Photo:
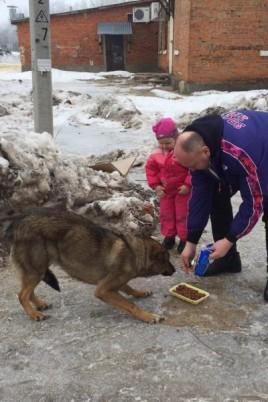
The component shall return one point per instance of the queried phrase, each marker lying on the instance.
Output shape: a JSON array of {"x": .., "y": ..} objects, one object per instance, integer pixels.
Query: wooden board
[{"x": 122, "y": 166}]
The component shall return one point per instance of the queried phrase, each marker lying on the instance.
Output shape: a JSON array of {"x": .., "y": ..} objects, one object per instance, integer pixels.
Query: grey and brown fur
[{"x": 86, "y": 252}]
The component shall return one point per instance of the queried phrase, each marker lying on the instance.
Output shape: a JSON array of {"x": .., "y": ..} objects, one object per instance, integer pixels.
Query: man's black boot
[
  {"x": 230, "y": 263},
  {"x": 265, "y": 293},
  {"x": 169, "y": 242}
]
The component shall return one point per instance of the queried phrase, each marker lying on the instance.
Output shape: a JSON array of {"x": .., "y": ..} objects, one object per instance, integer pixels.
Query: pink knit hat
[{"x": 164, "y": 128}]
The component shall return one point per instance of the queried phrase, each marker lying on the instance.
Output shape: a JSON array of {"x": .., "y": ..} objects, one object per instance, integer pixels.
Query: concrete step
[{"x": 152, "y": 78}]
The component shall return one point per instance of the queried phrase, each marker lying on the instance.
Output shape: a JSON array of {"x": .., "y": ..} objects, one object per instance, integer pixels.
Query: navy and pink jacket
[{"x": 238, "y": 142}]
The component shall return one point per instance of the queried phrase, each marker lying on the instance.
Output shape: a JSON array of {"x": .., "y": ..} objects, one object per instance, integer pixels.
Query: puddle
[
  {"x": 209, "y": 315},
  {"x": 220, "y": 311}
]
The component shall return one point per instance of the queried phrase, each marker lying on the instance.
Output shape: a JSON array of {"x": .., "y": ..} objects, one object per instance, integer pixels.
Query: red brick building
[
  {"x": 216, "y": 44},
  {"x": 97, "y": 39}
]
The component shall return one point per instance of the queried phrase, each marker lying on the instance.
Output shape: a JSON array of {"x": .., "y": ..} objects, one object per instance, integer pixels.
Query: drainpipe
[{"x": 170, "y": 43}]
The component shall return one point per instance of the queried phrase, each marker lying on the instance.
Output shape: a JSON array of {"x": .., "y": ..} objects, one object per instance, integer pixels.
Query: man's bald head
[
  {"x": 190, "y": 141},
  {"x": 191, "y": 151}
]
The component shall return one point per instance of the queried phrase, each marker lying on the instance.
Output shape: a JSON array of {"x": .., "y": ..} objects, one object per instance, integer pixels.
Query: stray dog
[{"x": 85, "y": 251}]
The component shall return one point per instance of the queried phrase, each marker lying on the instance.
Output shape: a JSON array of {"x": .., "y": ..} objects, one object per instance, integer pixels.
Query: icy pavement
[{"x": 88, "y": 351}]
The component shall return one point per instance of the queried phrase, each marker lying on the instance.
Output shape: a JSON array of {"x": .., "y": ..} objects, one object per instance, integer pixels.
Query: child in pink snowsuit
[{"x": 171, "y": 182}]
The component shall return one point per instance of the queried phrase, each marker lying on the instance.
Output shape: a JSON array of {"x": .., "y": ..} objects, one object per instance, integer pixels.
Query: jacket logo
[{"x": 235, "y": 119}]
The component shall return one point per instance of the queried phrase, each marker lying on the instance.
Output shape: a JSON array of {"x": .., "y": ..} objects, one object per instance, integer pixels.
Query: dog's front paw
[
  {"x": 153, "y": 318},
  {"x": 144, "y": 293},
  {"x": 157, "y": 318},
  {"x": 37, "y": 316},
  {"x": 44, "y": 306}
]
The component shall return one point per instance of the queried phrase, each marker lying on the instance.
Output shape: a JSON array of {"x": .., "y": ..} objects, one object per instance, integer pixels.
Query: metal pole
[
  {"x": 170, "y": 43},
  {"x": 41, "y": 65}
]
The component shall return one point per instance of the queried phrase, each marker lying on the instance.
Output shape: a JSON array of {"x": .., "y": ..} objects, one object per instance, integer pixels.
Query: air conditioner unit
[
  {"x": 141, "y": 14},
  {"x": 155, "y": 10}
]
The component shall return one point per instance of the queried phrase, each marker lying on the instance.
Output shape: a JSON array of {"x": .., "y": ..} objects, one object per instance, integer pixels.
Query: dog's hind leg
[
  {"x": 51, "y": 280},
  {"x": 107, "y": 290},
  {"x": 135, "y": 292},
  {"x": 32, "y": 261},
  {"x": 39, "y": 303},
  {"x": 29, "y": 283}
]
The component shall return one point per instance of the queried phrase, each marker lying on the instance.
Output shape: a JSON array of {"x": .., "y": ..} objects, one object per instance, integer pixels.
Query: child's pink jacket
[{"x": 163, "y": 169}]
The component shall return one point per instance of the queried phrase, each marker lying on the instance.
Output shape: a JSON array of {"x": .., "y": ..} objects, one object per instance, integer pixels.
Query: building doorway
[{"x": 115, "y": 59}]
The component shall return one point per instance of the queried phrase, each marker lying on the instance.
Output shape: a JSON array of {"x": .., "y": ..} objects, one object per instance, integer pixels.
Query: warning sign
[
  {"x": 43, "y": 65},
  {"x": 41, "y": 17}
]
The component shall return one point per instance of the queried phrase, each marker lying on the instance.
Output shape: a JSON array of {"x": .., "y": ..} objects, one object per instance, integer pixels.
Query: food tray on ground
[{"x": 188, "y": 293}]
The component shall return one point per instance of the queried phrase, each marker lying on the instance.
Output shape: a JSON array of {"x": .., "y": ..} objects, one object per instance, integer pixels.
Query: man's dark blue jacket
[{"x": 238, "y": 142}]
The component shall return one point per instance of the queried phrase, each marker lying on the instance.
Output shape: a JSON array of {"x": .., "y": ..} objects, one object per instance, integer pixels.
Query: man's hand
[
  {"x": 220, "y": 248},
  {"x": 183, "y": 190},
  {"x": 160, "y": 191},
  {"x": 187, "y": 256}
]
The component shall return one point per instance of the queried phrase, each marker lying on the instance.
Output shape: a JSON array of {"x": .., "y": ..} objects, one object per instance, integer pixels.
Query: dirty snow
[{"x": 97, "y": 116}]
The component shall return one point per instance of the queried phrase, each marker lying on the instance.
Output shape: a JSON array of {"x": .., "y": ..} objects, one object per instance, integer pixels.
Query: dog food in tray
[{"x": 189, "y": 293}]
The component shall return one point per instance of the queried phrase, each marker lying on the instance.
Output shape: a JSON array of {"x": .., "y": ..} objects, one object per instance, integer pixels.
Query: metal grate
[{"x": 114, "y": 28}]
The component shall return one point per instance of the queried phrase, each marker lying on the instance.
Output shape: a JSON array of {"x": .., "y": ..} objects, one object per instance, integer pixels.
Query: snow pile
[
  {"x": 252, "y": 100},
  {"x": 118, "y": 109},
  {"x": 3, "y": 111},
  {"x": 187, "y": 108},
  {"x": 33, "y": 172},
  {"x": 165, "y": 94},
  {"x": 68, "y": 76},
  {"x": 64, "y": 76},
  {"x": 140, "y": 218},
  {"x": 118, "y": 74},
  {"x": 93, "y": 117},
  {"x": 12, "y": 58}
]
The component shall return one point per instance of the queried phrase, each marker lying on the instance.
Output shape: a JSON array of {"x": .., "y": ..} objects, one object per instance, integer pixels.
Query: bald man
[{"x": 226, "y": 153}]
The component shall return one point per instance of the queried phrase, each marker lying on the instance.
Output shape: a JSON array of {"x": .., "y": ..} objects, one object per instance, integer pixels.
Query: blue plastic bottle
[{"x": 203, "y": 260}]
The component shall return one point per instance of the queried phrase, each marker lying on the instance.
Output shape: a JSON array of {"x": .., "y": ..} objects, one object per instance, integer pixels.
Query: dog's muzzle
[{"x": 170, "y": 271}]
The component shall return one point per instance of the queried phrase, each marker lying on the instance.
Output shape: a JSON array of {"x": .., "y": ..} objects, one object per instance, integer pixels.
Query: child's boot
[
  {"x": 181, "y": 246},
  {"x": 265, "y": 293},
  {"x": 169, "y": 242}
]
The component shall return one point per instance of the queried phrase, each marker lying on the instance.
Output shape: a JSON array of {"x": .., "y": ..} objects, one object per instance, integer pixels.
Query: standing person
[
  {"x": 226, "y": 153},
  {"x": 171, "y": 182}
]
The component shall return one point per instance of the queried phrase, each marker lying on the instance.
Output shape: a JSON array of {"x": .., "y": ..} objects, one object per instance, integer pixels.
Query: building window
[{"x": 130, "y": 17}]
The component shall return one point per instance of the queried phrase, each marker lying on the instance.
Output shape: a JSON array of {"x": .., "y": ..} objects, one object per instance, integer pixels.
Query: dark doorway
[{"x": 115, "y": 52}]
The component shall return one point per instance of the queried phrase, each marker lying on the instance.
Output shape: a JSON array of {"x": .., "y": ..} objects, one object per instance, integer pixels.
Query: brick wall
[
  {"x": 144, "y": 45},
  {"x": 219, "y": 42},
  {"x": 163, "y": 62},
  {"x": 24, "y": 44},
  {"x": 163, "y": 43},
  {"x": 75, "y": 43},
  {"x": 182, "y": 39}
]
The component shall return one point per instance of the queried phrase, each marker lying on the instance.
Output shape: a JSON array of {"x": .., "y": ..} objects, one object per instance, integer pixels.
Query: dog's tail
[{"x": 51, "y": 280}]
